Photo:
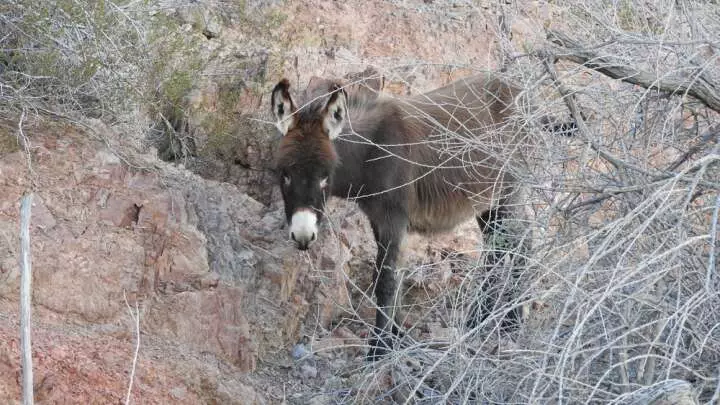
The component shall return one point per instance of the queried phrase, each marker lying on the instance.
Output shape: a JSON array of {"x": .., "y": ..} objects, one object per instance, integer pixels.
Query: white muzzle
[{"x": 303, "y": 228}]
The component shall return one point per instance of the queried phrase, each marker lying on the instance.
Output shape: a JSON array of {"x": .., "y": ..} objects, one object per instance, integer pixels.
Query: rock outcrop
[{"x": 208, "y": 266}]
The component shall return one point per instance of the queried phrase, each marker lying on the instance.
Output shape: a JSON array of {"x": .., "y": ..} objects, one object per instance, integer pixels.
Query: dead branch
[
  {"x": 135, "y": 316},
  {"x": 712, "y": 134},
  {"x": 25, "y": 310},
  {"x": 698, "y": 87},
  {"x": 668, "y": 392},
  {"x": 577, "y": 117},
  {"x": 713, "y": 235}
]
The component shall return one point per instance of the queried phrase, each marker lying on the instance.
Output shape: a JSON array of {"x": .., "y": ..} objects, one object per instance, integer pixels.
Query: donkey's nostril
[{"x": 292, "y": 235}]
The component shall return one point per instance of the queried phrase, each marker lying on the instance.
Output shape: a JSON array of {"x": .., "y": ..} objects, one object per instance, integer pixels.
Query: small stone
[
  {"x": 178, "y": 393},
  {"x": 321, "y": 399},
  {"x": 345, "y": 333},
  {"x": 299, "y": 351},
  {"x": 210, "y": 280},
  {"x": 308, "y": 372}
]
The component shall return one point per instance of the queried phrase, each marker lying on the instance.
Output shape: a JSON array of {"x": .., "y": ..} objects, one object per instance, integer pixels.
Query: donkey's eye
[
  {"x": 286, "y": 180},
  {"x": 323, "y": 183}
]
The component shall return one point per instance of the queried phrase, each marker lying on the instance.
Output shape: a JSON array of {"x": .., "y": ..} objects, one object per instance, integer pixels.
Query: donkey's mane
[{"x": 357, "y": 100}]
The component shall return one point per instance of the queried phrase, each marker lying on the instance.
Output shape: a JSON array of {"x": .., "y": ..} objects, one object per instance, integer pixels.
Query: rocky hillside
[
  {"x": 202, "y": 253},
  {"x": 159, "y": 245}
]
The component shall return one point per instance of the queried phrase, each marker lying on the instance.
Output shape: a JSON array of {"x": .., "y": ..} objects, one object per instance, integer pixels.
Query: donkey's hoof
[
  {"x": 510, "y": 323},
  {"x": 377, "y": 350},
  {"x": 512, "y": 320},
  {"x": 383, "y": 344}
]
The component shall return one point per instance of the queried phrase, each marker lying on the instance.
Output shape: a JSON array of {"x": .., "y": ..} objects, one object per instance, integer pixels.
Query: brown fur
[
  {"x": 423, "y": 164},
  {"x": 304, "y": 144},
  {"x": 449, "y": 190}
]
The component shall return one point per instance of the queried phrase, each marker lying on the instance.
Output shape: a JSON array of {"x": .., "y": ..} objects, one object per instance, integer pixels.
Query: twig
[
  {"x": 25, "y": 297},
  {"x": 704, "y": 140},
  {"x": 25, "y": 142},
  {"x": 699, "y": 87},
  {"x": 662, "y": 392},
  {"x": 716, "y": 395},
  {"x": 713, "y": 242},
  {"x": 135, "y": 317},
  {"x": 577, "y": 116}
]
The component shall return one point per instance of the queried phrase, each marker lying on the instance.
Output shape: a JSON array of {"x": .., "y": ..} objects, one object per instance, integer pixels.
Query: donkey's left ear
[
  {"x": 283, "y": 107},
  {"x": 335, "y": 113}
]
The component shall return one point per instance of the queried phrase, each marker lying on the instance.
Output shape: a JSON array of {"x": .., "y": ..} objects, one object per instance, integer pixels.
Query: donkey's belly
[{"x": 442, "y": 216}]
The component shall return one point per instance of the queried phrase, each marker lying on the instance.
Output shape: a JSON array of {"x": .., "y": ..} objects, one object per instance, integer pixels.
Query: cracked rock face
[{"x": 208, "y": 266}]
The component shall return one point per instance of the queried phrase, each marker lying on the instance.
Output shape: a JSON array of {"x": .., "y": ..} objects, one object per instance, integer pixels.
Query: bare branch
[
  {"x": 699, "y": 87},
  {"x": 713, "y": 242},
  {"x": 25, "y": 298},
  {"x": 136, "y": 319},
  {"x": 714, "y": 133},
  {"x": 664, "y": 392},
  {"x": 580, "y": 122},
  {"x": 25, "y": 142}
]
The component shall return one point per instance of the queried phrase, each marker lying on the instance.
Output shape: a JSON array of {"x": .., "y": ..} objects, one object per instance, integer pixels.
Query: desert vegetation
[{"x": 621, "y": 277}]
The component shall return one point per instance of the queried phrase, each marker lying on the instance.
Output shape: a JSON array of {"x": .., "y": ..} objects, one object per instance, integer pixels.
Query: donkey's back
[{"x": 442, "y": 150}]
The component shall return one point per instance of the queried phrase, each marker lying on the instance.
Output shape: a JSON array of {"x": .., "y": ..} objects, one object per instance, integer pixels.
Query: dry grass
[{"x": 621, "y": 279}]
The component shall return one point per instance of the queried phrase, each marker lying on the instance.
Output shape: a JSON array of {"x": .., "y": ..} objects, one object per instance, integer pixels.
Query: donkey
[{"x": 405, "y": 162}]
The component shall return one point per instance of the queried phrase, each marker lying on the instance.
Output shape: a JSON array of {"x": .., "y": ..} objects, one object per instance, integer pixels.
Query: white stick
[
  {"x": 136, "y": 318},
  {"x": 25, "y": 288},
  {"x": 713, "y": 235}
]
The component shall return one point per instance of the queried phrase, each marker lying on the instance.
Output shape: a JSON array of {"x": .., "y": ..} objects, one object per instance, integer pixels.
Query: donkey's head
[{"x": 306, "y": 157}]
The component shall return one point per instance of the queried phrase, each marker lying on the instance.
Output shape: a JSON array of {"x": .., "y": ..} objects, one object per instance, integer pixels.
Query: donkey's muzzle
[
  {"x": 303, "y": 228},
  {"x": 303, "y": 244}
]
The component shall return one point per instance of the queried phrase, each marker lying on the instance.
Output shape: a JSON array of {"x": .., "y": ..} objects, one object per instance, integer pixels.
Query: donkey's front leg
[{"x": 388, "y": 236}]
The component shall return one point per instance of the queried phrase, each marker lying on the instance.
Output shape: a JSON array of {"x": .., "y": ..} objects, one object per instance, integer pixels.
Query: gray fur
[{"x": 396, "y": 158}]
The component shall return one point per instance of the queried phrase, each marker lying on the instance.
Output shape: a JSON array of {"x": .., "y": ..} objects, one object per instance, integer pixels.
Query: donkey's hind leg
[{"x": 503, "y": 243}]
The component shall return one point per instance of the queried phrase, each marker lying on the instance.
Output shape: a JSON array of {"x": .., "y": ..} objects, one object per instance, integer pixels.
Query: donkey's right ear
[{"x": 283, "y": 107}]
